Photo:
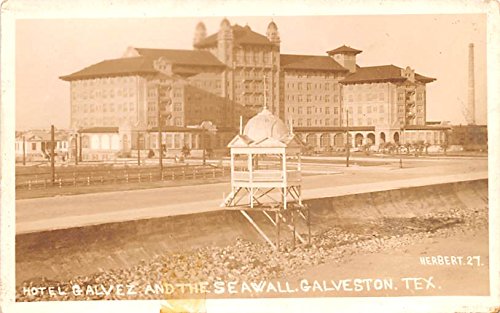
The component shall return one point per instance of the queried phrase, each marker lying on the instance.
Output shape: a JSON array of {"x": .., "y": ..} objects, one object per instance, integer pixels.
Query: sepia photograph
[{"x": 201, "y": 158}]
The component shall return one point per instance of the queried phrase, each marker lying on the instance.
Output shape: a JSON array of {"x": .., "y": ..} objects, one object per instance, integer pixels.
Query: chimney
[{"x": 471, "y": 106}]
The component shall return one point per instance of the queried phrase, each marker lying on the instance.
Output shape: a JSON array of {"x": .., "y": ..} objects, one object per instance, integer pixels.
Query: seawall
[{"x": 64, "y": 253}]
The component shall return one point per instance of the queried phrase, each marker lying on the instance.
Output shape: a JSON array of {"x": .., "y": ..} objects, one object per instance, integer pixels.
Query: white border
[{"x": 12, "y": 10}]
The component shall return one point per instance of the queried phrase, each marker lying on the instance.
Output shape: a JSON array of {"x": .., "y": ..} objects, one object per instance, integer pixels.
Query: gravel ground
[{"x": 247, "y": 261}]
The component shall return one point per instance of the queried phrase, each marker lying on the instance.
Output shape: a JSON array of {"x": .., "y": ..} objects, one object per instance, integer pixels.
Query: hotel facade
[{"x": 198, "y": 96}]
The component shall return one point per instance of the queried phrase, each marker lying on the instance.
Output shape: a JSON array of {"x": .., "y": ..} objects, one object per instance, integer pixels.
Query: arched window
[
  {"x": 325, "y": 140},
  {"x": 125, "y": 142},
  {"x": 85, "y": 142},
  {"x": 371, "y": 138},
  {"x": 311, "y": 140},
  {"x": 105, "y": 144},
  {"x": 358, "y": 139},
  {"x": 382, "y": 137},
  {"x": 115, "y": 142},
  {"x": 396, "y": 137},
  {"x": 339, "y": 140},
  {"x": 95, "y": 142}
]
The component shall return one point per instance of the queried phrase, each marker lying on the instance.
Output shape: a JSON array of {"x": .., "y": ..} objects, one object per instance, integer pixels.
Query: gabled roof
[
  {"x": 427, "y": 127},
  {"x": 124, "y": 66},
  {"x": 383, "y": 73},
  {"x": 99, "y": 130},
  {"x": 344, "y": 49},
  {"x": 181, "y": 57},
  {"x": 143, "y": 63},
  {"x": 240, "y": 141},
  {"x": 43, "y": 135},
  {"x": 268, "y": 142},
  {"x": 175, "y": 129},
  {"x": 309, "y": 62},
  {"x": 299, "y": 129},
  {"x": 241, "y": 36}
]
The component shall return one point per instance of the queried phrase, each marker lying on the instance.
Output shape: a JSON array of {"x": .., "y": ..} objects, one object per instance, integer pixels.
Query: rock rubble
[{"x": 248, "y": 261}]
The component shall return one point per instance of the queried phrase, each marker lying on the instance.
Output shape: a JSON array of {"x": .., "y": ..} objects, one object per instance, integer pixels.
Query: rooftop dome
[{"x": 264, "y": 125}]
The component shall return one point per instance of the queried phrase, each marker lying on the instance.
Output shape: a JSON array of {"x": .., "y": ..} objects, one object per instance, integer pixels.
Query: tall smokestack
[{"x": 471, "y": 106}]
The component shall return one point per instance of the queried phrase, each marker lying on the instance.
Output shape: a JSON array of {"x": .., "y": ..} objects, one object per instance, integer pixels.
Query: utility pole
[
  {"x": 76, "y": 149},
  {"x": 348, "y": 144},
  {"x": 204, "y": 147},
  {"x": 138, "y": 150},
  {"x": 24, "y": 150},
  {"x": 79, "y": 147},
  {"x": 160, "y": 148},
  {"x": 52, "y": 156},
  {"x": 400, "y": 147}
]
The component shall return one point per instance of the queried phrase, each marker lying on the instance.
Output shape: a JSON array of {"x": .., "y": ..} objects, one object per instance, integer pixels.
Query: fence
[{"x": 86, "y": 177}]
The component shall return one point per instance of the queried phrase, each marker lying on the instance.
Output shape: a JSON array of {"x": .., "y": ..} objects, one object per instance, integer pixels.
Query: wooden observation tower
[{"x": 266, "y": 176}]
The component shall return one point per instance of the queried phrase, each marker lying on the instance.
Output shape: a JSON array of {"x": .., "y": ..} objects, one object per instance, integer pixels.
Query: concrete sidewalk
[
  {"x": 79, "y": 220},
  {"x": 34, "y": 215}
]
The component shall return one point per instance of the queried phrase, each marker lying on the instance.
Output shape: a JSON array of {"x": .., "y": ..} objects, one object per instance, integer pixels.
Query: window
[
  {"x": 299, "y": 123},
  {"x": 33, "y": 146},
  {"x": 401, "y": 96},
  {"x": 309, "y": 110},
  {"x": 299, "y": 110},
  {"x": 299, "y": 86},
  {"x": 327, "y": 98},
  {"x": 327, "y": 110},
  {"x": 327, "y": 122},
  {"x": 327, "y": 86},
  {"x": 308, "y": 98},
  {"x": 309, "y": 122},
  {"x": 177, "y": 107},
  {"x": 335, "y": 110},
  {"x": 308, "y": 86}
]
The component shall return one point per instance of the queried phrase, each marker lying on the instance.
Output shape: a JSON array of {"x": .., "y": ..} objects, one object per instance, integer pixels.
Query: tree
[
  {"x": 186, "y": 151},
  {"x": 426, "y": 146}
]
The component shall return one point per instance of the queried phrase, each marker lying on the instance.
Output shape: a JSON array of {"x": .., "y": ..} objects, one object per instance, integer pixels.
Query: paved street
[{"x": 78, "y": 210}]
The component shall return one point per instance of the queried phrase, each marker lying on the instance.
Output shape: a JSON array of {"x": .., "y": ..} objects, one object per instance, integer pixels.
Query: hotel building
[{"x": 198, "y": 95}]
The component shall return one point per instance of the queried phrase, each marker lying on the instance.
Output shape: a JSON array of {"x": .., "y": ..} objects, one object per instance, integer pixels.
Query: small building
[
  {"x": 470, "y": 137},
  {"x": 36, "y": 144}
]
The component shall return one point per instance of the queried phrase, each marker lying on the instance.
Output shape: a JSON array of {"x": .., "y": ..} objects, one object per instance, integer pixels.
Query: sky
[{"x": 434, "y": 45}]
